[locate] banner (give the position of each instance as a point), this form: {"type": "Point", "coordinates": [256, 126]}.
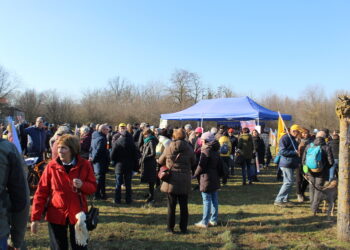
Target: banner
{"type": "Point", "coordinates": [12, 134]}
{"type": "Point", "coordinates": [248, 124]}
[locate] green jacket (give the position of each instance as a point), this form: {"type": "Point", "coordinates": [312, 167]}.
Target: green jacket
{"type": "Point", "coordinates": [245, 144]}
{"type": "Point", "coordinates": [14, 194]}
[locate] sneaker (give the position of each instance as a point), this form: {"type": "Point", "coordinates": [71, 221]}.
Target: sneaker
{"type": "Point", "coordinates": [201, 225]}
{"type": "Point", "coordinates": [279, 204]}
{"type": "Point", "coordinates": [300, 198]}
{"type": "Point", "coordinates": [212, 223]}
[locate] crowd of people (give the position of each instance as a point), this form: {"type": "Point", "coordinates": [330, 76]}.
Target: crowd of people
{"type": "Point", "coordinates": [80, 158]}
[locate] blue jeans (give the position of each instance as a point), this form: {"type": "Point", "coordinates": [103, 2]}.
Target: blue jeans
{"type": "Point", "coordinates": [3, 243]}
{"type": "Point", "coordinates": [100, 174]}
{"type": "Point", "coordinates": [210, 207]}
{"type": "Point", "coordinates": [333, 169]}
{"type": "Point", "coordinates": [121, 179]}
{"type": "Point", "coordinates": [246, 170]}
{"type": "Point", "coordinates": [288, 179]}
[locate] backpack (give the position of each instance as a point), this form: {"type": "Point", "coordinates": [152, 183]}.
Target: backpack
{"type": "Point", "coordinates": [224, 148]}
{"type": "Point", "coordinates": [314, 158]}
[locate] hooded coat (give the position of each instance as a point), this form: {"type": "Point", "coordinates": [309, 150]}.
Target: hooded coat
{"type": "Point", "coordinates": [179, 158]}
{"type": "Point", "coordinates": [209, 167]}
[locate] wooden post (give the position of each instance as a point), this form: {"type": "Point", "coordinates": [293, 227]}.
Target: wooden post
{"type": "Point", "coordinates": [343, 217]}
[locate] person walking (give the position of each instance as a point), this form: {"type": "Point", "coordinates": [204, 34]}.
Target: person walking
{"type": "Point", "coordinates": [209, 169]}
{"type": "Point", "coordinates": [179, 158]}
{"type": "Point", "coordinates": [61, 193]}
{"type": "Point", "coordinates": [290, 160]}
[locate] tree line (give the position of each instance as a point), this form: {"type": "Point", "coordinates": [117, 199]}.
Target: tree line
{"type": "Point", "coordinates": [122, 101]}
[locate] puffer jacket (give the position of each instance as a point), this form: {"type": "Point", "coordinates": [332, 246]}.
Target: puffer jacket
{"type": "Point", "coordinates": [56, 188]}
{"type": "Point", "coordinates": [179, 157]}
{"type": "Point", "coordinates": [225, 139]}
{"type": "Point", "coordinates": [327, 156]}
{"type": "Point", "coordinates": [245, 144]}
{"type": "Point", "coordinates": [209, 167]}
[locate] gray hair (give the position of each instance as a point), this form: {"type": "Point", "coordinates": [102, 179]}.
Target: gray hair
{"type": "Point", "coordinates": [321, 134]}
{"type": "Point", "coordinates": [188, 126]}
{"type": "Point", "coordinates": [102, 126]}
{"type": "Point", "coordinates": [84, 129]}
{"type": "Point", "coordinates": [213, 130]}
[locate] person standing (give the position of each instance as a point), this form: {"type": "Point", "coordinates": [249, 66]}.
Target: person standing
{"type": "Point", "coordinates": [125, 159]}
{"type": "Point", "coordinates": [318, 176]}
{"type": "Point", "coordinates": [14, 196]}
{"type": "Point", "coordinates": [148, 163]}
{"type": "Point", "coordinates": [99, 156]}
{"type": "Point", "coordinates": [179, 158]}
{"type": "Point", "coordinates": [36, 143]}
{"type": "Point", "coordinates": [245, 146]}
{"type": "Point", "coordinates": [62, 191]}
{"type": "Point", "coordinates": [208, 170]}
{"type": "Point", "coordinates": [258, 154]}
{"type": "Point", "coordinates": [289, 160]}
{"type": "Point", "coordinates": [334, 145]}
{"type": "Point", "coordinates": [225, 153]}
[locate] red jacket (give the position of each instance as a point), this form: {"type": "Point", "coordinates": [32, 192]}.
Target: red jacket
{"type": "Point", "coordinates": [64, 201]}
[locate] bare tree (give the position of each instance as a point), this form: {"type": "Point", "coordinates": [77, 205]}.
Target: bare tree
{"type": "Point", "coordinates": [7, 85]}
{"type": "Point", "coordinates": [30, 102]}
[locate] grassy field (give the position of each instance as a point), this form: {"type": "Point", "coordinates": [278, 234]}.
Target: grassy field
{"type": "Point", "coordinates": [247, 220]}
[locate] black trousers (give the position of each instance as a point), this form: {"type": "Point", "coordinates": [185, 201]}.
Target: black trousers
{"type": "Point", "coordinates": [172, 201]}
{"type": "Point", "coordinates": [301, 183]}
{"type": "Point", "coordinates": [59, 239]}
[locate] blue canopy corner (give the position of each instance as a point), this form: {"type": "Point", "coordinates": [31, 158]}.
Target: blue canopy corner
{"type": "Point", "coordinates": [226, 109]}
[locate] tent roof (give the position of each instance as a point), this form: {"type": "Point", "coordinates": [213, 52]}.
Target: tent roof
{"type": "Point", "coordinates": [223, 109]}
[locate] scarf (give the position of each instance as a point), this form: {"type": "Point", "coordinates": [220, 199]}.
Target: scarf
{"type": "Point", "coordinates": [147, 139]}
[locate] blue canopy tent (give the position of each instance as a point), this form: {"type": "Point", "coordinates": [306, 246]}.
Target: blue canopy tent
{"type": "Point", "coordinates": [225, 109]}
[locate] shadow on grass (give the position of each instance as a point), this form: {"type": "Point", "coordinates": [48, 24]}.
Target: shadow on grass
{"type": "Point", "coordinates": [116, 242]}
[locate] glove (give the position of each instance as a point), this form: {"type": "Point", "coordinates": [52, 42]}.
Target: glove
{"type": "Point", "coordinates": [81, 232]}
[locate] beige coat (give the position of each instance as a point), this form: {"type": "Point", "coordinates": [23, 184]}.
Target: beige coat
{"type": "Point", "coordinates": [179, 157]}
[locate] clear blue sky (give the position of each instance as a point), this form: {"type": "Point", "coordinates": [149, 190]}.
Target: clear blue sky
{"type": "Point", "coordinates": [250, 46]}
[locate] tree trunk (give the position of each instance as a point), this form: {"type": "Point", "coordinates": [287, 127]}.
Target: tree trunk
{"type": "Point", "coordinates": [343, 217]}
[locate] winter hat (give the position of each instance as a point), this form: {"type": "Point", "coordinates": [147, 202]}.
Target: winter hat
{"type": "Point", "coordinates": [122, 124]}
{"type": "Point", "coordinates": [208, 137]}
{"type": "Point", "coordinates": [295, 127]}
{"type": "Point", "coordinates": [198, 130]}
{"type": "Point", "coordinates": [231, 130]}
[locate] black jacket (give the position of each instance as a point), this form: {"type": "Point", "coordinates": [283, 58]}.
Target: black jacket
{"type": "Point", "coordinates": [334, 144]}
{"type": "Point", "coordinates": [124, 154]}
{"type": "Point", "coordinates": [259, 149]}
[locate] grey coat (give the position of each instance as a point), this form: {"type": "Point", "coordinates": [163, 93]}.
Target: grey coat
{"type": "Point", "coordinates": [179, 157]}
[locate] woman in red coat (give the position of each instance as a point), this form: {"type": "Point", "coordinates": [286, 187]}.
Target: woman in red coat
{"type": "Point", "coordinates": [61, 193]}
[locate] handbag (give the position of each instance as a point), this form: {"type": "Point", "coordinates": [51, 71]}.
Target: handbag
{"type": "Point", "coordinates": [92, 218]}
{"type": "Point", "coordinates": [164, 173]}
{"type": "Point", "coordinates": [92, 213]}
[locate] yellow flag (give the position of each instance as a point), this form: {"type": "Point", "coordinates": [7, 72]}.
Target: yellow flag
{"type": "Point", "coordinates": [280, 132]}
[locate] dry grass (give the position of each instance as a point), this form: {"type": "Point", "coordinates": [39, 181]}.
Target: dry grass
{"type": "Point", "coordinates": [247, 220]}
